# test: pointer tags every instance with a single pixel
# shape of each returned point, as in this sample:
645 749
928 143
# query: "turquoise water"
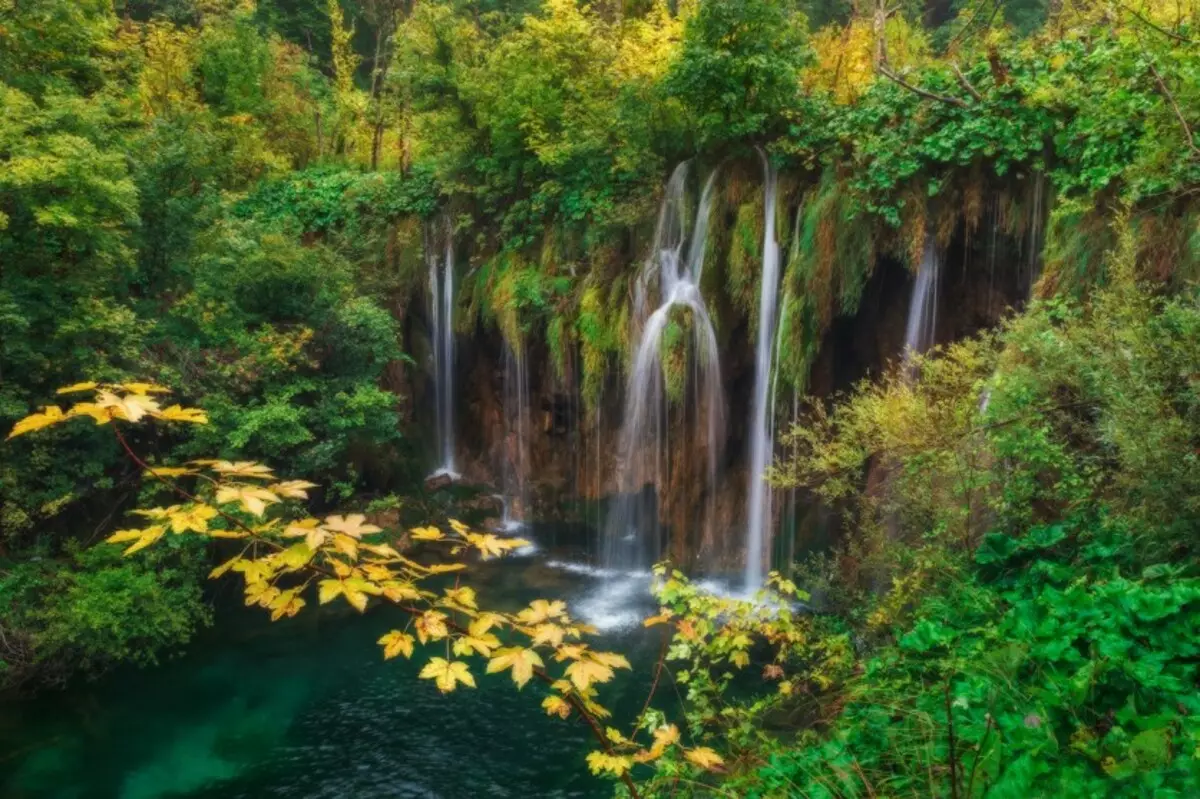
307 708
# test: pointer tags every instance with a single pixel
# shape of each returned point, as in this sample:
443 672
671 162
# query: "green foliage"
1019 580
739 69
90 609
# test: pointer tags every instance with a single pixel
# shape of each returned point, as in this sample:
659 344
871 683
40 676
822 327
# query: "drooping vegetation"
228 198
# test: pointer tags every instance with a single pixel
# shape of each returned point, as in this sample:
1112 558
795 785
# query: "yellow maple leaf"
100 415
141 538
50 415
481 644
224 567
600 762
659 619
426 534
176 413
169 471
663 737
193 518
328 590
131 407
555 705
399 591
77 388
240 469
548 633
610 659
485 621
310 530
521 661
462 597
431 626
458 527
704 757
585 672
396 643
353 525
540 610
143 388
253 498
293 489
447 674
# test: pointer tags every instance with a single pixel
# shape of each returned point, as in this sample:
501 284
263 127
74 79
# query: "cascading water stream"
441 311
758 507
633 535
515 469
923 306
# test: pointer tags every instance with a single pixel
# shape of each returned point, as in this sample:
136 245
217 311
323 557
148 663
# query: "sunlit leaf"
521 661
447 674
50 415
704 757
353 525
396 643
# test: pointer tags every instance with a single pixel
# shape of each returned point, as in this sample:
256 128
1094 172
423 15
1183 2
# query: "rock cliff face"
568 459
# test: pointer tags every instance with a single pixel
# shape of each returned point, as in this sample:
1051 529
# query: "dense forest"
861 339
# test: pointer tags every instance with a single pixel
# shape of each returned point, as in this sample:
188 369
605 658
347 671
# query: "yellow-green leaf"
521 661
396 643
447 674
50 415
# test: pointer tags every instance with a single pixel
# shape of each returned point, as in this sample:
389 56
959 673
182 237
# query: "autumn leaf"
224 567
141 538
194 518
491 546
143 388
253 498
585 672
426 534
131 407
50 415
659 619
100 415
78 388
293 489
458 526
176 413
396 643
556 706
521 661
310 530
485 621
663 737
704 757
610 659
353 525
328 590
540 610
602 762
169 471
431 626
248 469
447 674
548 633
481 644
461 597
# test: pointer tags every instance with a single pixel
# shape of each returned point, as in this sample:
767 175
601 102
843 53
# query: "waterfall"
758 508
441 313
923 306
515 469
633 535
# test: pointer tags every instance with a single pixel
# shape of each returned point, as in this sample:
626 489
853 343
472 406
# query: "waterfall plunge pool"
307 707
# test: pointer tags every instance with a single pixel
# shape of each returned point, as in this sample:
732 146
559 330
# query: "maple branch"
887 73
538 671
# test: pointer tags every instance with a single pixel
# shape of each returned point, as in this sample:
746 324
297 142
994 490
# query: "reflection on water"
307 708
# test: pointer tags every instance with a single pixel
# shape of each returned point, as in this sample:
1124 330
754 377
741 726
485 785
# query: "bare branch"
887 73
1187 130
966 84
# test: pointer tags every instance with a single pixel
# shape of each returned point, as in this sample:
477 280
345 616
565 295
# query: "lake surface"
308 708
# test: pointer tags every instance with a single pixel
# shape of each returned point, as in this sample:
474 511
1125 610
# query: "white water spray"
441 312
758 510
633 535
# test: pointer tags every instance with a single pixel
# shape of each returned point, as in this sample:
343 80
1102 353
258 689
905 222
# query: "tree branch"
1187 130
966 84
1151 25
887 73
539 672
